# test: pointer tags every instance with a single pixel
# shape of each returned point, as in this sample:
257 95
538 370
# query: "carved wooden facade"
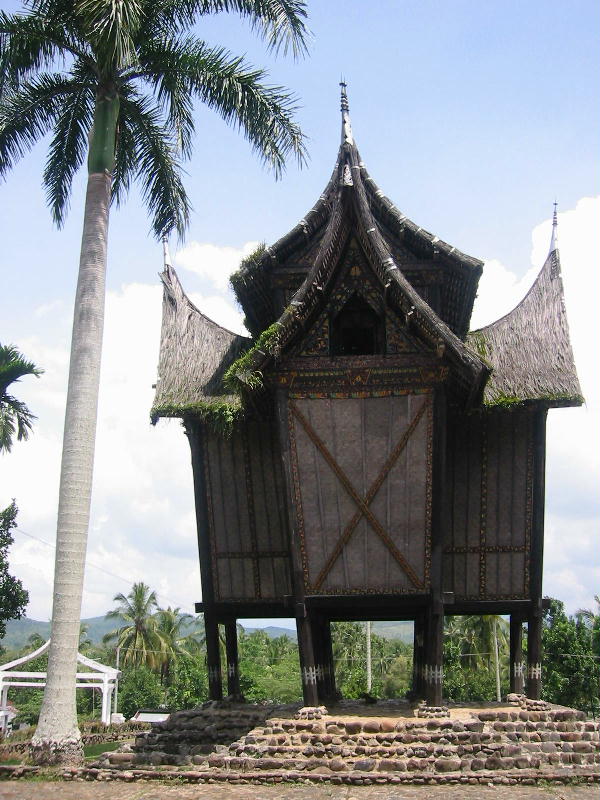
381 461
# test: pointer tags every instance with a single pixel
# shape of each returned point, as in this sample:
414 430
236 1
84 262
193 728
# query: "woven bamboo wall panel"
362 492
489 505
246 514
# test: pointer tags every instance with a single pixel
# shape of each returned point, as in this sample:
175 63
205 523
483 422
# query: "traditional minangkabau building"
364 456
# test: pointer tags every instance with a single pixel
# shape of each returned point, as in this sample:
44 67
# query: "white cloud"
213 262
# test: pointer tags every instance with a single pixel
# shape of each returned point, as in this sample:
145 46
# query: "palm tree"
15 417
124 98
592 620
484 642
176 638
137 636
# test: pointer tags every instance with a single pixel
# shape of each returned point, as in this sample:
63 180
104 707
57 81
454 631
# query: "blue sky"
472 117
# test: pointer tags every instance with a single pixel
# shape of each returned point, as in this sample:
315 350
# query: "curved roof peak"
347 137
553 239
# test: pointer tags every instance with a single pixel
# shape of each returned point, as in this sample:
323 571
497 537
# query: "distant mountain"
395 630
18 631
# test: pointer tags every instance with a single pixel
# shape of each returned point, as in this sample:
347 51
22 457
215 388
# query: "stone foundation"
343 747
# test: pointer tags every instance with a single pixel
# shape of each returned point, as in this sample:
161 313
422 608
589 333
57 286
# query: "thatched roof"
345 210
529 348
412 248
194 355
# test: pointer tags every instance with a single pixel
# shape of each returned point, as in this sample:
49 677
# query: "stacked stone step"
187 736
491 741
556 737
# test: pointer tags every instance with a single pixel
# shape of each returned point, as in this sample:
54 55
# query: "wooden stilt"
419 636
308 669
233 669
331 690
213 656
433 672
534 654
517 667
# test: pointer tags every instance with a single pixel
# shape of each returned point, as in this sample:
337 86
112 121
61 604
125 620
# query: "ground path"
58 790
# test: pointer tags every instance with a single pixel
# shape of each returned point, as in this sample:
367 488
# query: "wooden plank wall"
360 434
247 519
487 552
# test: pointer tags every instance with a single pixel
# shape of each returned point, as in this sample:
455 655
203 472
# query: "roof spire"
166 254
347 137
553 240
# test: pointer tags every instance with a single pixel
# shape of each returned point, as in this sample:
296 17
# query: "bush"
139 688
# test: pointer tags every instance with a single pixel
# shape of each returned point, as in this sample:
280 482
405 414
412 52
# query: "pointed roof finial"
345 109
553 240
166 254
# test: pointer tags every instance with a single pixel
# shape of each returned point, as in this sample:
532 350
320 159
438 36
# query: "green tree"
13 597
129 73
139 688
15 417
189 686
176 640
138 636
570 664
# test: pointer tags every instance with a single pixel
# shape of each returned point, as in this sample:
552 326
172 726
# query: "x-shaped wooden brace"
362 503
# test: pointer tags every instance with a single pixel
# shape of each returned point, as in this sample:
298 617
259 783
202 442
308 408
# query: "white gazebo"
99 677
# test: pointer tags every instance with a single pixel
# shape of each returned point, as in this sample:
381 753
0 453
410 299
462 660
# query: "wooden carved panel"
246 513
361 469
489 514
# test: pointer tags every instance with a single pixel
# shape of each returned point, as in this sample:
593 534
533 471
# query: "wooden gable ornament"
362 455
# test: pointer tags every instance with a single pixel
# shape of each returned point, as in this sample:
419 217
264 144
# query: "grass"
94 750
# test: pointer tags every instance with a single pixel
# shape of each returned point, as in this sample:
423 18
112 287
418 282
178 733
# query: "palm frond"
237 92
111 27
30 43
15 417
157 169
28 113
281 23
68 149
159 62
13 367
125 166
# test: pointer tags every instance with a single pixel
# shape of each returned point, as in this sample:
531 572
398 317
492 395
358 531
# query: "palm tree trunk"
496 662
57 738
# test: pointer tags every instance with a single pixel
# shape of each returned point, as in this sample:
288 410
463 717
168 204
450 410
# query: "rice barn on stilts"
364 456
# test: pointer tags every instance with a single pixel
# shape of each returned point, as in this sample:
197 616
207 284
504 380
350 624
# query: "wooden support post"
213 656
534 618
233 667
308 671
317 624
517 667
534 654
308 668
331 690
433 672
419 638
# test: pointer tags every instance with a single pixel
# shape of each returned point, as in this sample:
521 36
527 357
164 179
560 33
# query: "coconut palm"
176 638
15 417
484 642
137 635
129 73
592 620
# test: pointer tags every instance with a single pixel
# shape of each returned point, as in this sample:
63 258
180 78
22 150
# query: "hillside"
18 631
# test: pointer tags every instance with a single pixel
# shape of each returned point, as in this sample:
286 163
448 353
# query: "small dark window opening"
356 331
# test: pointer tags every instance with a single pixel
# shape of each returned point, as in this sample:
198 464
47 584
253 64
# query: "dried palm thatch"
529 348
195 353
